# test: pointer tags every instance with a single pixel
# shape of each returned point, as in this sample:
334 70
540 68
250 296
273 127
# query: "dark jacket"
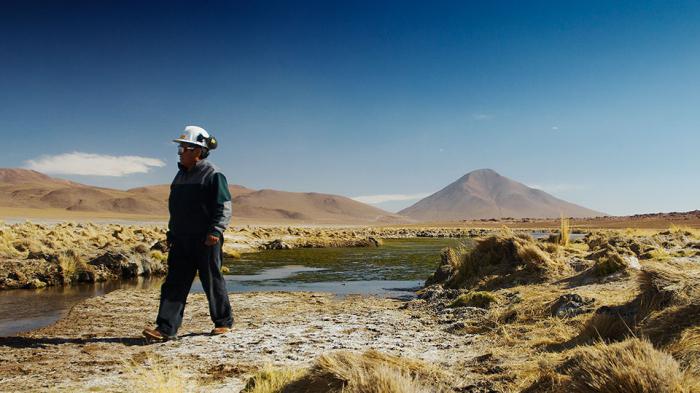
199 203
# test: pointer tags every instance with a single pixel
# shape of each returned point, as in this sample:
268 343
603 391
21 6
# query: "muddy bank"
98 345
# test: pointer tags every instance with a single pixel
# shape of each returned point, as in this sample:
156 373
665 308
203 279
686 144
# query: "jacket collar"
197 166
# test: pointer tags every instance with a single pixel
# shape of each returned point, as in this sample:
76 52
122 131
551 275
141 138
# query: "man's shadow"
43 342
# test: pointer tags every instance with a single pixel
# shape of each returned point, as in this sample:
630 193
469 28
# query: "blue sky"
595 102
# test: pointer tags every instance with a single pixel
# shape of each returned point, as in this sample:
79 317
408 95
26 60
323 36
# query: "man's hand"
211 240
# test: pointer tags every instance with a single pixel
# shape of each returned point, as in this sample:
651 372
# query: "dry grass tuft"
156 376
668 303
7 246
665 326
272 380
629 366
687 349
505 258
564 231
72 266
369 372
610 263
666 284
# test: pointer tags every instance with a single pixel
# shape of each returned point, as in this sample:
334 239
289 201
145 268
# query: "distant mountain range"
21 188
486 194
479 194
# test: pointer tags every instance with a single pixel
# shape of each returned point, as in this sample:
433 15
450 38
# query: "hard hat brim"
189 142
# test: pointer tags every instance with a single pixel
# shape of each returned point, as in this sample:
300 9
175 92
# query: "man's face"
189 154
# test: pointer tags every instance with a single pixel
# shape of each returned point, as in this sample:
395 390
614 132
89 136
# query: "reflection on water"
26 309
272 274
397 259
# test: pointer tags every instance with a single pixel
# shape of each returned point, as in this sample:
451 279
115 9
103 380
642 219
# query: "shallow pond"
395 269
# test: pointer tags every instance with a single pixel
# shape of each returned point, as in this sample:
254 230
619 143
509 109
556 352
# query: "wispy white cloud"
561 187
381 198
77 163
482 116
555 128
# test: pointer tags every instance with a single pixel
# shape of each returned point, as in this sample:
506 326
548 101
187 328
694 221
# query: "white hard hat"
194 135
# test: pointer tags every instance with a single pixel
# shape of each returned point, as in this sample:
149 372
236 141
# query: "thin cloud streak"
381 198
482 116
88 164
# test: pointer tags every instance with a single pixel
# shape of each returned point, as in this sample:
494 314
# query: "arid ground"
512 313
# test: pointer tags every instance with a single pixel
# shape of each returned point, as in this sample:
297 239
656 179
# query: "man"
200 211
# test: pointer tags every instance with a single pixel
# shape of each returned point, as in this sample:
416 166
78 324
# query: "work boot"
155 335
217 331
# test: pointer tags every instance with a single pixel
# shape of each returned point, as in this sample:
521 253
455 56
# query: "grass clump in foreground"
668 304
480 299
157 376
351 372
271 380
630 366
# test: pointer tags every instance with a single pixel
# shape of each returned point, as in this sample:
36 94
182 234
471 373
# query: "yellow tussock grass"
272 380
369 372
631 366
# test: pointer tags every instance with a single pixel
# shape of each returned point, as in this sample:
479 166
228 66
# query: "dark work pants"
188 256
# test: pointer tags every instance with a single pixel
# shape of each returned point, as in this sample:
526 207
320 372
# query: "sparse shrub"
480 299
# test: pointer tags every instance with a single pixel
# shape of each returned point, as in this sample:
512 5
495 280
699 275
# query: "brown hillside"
21 188
317 207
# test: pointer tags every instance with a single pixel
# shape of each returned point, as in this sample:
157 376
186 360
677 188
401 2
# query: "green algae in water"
397 259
